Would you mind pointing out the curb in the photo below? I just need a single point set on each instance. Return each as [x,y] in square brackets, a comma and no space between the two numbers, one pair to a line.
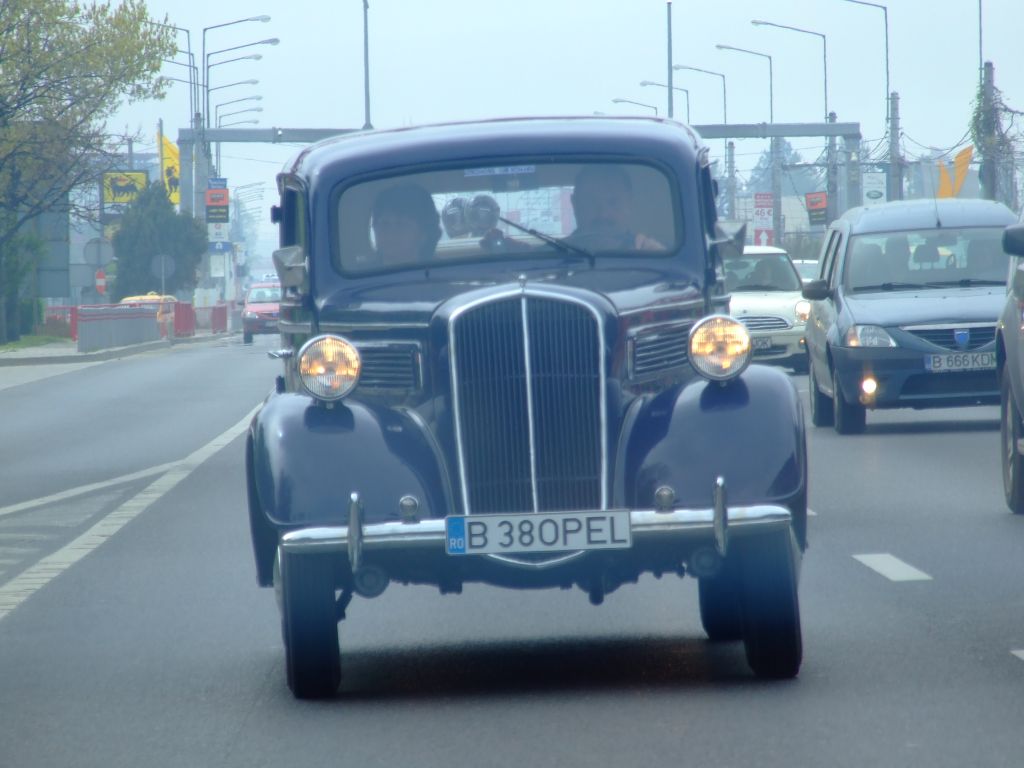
[108,354]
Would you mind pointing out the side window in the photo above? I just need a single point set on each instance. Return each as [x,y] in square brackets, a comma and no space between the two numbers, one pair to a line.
[827,254]
[834,268]
[293,219]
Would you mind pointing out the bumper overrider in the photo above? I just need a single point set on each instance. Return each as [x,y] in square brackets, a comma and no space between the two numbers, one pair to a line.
[681,540]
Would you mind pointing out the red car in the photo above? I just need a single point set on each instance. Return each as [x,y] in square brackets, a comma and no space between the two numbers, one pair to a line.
[259,315]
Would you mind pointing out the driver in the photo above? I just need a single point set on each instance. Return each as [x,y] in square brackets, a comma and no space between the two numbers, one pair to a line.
[406,225]
[602,202]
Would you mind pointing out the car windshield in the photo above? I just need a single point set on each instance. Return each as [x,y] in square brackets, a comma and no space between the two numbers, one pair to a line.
[264,295]
[761,272]
[506,211]
[928,258]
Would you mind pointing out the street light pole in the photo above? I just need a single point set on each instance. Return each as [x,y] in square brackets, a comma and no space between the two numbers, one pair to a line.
[638,103]
[824,48]
[725,111]
[885,16]
[771,75]
[668,8]
[672,88]
[367,125]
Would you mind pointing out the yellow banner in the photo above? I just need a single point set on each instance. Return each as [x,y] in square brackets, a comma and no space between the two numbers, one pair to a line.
[171,171]
[960,165]
[123,186]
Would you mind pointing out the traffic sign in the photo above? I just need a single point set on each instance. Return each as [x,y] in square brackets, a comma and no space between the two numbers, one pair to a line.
[101,281]
[764,236]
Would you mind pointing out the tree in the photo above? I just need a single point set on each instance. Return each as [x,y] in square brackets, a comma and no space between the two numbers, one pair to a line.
[150,228]
[65,68]
[795,180]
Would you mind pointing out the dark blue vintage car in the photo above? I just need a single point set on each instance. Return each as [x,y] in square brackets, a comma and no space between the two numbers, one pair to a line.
[506,360]
[904,313]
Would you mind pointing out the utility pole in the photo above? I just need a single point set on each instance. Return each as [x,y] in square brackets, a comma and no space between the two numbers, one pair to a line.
[989,164]
[668,7]
[895,161]
[776,156]
[730,183]
[831,175]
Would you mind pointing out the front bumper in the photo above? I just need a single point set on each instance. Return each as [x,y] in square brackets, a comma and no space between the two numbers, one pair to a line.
[904,382]
[779,346]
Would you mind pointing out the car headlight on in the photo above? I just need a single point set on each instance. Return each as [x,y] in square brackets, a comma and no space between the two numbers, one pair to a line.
[720,347]
[249,315]
[329,367]
[867,336]
[802,310]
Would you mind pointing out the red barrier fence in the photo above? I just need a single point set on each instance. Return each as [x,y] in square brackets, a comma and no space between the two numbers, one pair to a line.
[173,317]
[219,318]
[184,319]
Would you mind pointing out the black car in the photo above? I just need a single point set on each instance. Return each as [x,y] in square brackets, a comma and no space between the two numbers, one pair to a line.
[506,362]
[1010,362]
[904,312]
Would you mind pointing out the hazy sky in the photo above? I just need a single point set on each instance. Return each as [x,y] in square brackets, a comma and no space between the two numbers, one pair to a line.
[439,60]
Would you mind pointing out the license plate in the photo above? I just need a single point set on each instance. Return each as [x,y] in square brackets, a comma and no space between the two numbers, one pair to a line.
[960,361]
[540,532]
[762,343]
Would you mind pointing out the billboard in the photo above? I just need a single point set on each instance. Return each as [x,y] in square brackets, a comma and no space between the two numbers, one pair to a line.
[123,187]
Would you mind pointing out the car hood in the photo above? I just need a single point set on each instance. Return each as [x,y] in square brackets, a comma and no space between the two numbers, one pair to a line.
[780,303]
[415,300]
[262,307]
[900,308]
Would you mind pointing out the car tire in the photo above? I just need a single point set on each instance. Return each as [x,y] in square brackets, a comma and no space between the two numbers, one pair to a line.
[821,404]
[1010,434]
[247,337]
[772,636]
[721,609]
[310,624]
[849,418]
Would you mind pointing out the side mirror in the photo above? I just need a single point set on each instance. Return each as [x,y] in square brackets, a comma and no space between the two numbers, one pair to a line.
[1013,239]
[816,290]
[290,263]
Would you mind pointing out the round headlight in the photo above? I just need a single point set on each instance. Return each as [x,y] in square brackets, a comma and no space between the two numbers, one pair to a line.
[329,367]
[802,310]
[720,347]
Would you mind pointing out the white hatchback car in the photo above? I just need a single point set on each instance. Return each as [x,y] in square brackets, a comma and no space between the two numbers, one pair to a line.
[765,288]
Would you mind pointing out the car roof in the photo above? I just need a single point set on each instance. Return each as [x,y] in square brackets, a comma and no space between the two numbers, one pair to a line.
[372,150]
[927,214]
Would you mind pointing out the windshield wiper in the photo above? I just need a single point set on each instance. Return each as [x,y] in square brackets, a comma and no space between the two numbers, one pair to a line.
[758,287]
[561,245]
[894,286]
[965,282]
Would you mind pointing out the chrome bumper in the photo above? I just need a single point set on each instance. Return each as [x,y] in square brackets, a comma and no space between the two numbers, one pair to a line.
[712,527]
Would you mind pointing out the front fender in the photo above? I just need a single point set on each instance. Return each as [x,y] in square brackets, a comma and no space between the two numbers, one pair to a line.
[749,431]
[307,460]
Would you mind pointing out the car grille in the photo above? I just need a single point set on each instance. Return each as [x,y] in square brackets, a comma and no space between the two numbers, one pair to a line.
[764,323]
[389,366]
[661,351]
[495,396]
[945,337]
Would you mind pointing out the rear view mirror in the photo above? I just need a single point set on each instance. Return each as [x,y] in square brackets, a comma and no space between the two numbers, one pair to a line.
[1013,239]
[290,263]
[816,290]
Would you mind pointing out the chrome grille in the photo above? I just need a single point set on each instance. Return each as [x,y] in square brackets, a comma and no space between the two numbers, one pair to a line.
[661,350]
[528,381]
[946,338]
[389,366]
[764,322]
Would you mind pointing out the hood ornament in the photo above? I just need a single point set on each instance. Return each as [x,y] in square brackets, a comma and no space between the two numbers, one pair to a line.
[522,280]
[962,337]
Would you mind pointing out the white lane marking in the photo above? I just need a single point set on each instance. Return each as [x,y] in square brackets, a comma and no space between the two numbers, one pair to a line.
[28,582]
[1018,654]
[82,489]
[892,567]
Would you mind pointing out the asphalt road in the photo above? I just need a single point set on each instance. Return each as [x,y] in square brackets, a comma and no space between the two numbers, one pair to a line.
[134,633]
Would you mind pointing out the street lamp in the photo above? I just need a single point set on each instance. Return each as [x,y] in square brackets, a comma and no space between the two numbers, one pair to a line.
[771,76]
[674,88]
[638,103]
[885,16]
[208,66]
[252,81]
[824,48]
[725,113]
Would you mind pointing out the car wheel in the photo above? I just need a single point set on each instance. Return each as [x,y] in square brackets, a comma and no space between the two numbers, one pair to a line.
[1010,432]
[821,404]
[247,337]
[721,611]
[771,608]
[312,655]
[849,418]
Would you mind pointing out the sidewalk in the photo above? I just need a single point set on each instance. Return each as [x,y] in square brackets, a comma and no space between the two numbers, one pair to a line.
[67,351]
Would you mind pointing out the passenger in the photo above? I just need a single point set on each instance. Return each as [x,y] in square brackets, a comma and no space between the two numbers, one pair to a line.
[406,225]
[602,202]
